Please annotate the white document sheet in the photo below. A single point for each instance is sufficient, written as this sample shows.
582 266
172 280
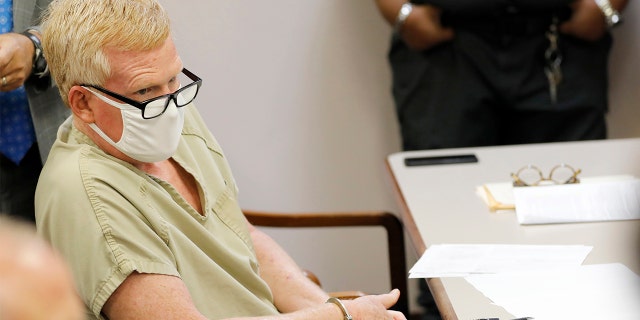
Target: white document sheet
459 260
590 292
582 202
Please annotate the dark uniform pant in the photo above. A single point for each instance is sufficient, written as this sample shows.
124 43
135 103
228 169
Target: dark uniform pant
488 86
18 184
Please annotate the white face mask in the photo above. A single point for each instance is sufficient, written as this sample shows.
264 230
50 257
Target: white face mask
145 140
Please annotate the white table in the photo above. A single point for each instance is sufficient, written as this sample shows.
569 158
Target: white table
440 206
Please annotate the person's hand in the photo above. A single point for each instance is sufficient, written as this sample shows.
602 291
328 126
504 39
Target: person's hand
587 21
423 30
16 60
374 307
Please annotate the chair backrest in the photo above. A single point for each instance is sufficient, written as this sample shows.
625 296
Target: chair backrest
391 223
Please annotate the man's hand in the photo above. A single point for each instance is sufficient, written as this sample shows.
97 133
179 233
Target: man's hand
374 307
587 21
423 30
16 60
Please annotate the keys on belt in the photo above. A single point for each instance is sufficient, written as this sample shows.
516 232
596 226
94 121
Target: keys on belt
553 60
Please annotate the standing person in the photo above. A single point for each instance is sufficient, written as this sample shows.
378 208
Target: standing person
475 73
145 206
493 72
30 107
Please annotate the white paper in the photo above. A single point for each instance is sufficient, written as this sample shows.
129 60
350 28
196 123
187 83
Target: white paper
582 202
502 192
458 260
590 292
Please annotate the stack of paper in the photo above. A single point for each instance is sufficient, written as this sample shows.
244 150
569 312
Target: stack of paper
546 282
590 292
603 198
582 202
458 260
497 196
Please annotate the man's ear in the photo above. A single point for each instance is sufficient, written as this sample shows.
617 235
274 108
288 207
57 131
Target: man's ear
79 102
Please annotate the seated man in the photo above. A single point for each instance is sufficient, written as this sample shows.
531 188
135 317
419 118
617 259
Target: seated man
137 194
35 282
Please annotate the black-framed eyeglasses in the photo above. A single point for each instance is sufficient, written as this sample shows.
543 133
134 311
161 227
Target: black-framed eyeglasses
154 107
531 175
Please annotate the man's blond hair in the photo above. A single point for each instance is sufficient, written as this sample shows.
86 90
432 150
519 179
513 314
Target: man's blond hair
76 32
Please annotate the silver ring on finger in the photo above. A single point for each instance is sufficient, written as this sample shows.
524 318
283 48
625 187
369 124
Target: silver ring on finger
4 81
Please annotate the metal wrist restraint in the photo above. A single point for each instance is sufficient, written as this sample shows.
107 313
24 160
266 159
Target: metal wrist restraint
340 305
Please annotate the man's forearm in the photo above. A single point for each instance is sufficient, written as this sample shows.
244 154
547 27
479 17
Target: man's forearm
291 289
